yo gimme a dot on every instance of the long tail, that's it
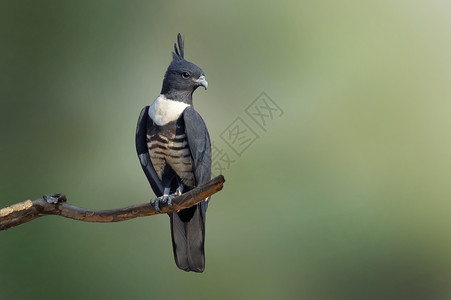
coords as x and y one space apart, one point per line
188 236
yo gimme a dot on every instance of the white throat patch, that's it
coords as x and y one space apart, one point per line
163 110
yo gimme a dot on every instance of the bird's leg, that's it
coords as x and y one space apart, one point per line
167 198
163 199
178 192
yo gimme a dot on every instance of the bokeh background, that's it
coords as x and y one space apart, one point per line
344 196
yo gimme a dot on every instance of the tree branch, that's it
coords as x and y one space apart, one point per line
55 204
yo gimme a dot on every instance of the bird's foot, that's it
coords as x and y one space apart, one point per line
54 198
162 200
179 190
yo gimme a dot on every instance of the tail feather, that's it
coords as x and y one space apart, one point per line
188 240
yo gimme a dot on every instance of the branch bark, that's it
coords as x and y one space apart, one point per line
55 204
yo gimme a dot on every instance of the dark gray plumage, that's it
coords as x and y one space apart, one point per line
174 149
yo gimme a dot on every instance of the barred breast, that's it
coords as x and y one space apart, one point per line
167 147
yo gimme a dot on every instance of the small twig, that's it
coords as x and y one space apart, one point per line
55 204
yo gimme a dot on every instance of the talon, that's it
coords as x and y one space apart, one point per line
170 200
157 208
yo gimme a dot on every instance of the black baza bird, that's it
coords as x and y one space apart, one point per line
174 149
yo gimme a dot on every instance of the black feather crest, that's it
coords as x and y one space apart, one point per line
180 52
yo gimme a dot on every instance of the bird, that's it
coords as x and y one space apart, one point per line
174 149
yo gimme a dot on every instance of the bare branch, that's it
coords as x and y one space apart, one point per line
55 204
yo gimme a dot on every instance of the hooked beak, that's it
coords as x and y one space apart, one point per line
202 82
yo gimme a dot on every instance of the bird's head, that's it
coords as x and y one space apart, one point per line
182 78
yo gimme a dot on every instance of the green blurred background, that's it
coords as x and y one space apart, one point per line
345 196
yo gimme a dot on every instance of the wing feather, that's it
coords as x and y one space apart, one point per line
143 153
199 144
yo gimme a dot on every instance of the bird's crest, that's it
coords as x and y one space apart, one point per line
180 51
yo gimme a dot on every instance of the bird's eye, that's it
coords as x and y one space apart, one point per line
185 75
